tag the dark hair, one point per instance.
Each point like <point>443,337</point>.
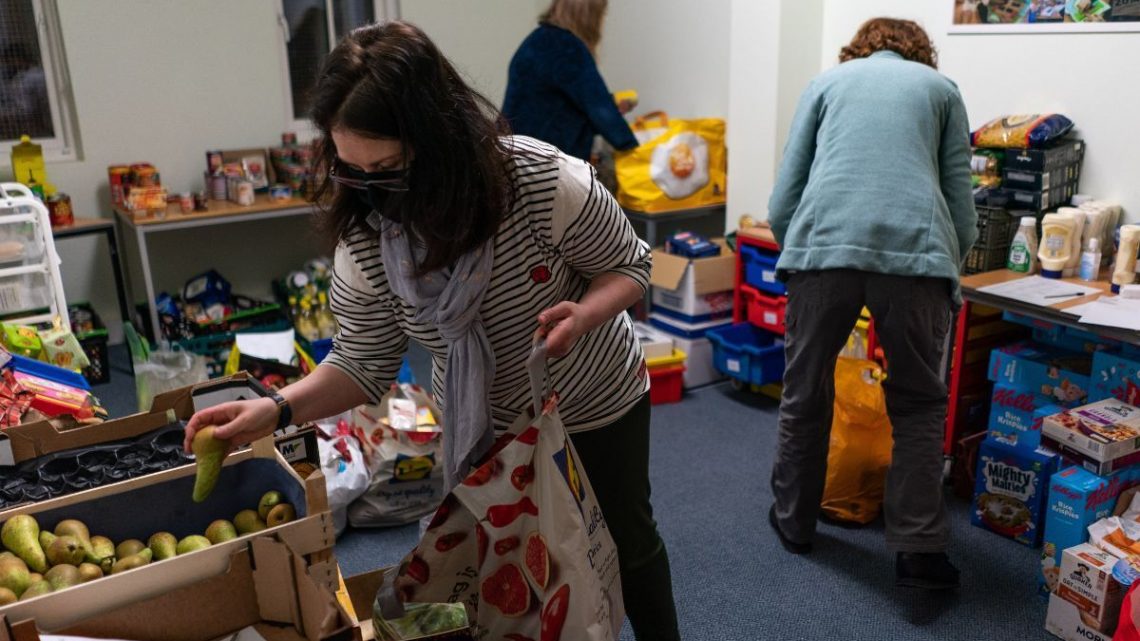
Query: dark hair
<point>390,81</point>
<point>904,37</point>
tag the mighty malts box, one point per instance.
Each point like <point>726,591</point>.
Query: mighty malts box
<point>1011,489</point>
<point>1058,374</point>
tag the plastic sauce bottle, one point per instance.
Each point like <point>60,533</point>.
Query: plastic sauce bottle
<point>1056,243</point>
<point>1124,272</point>
<point>1076,239</point>
<point>1023,250</point>
<point>1090,261</point>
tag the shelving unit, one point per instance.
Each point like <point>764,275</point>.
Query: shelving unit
<point>30,281</point>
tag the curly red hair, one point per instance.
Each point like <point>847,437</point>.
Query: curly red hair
<point>904,37</point>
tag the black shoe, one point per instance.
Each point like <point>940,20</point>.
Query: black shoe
<point>929,571</point>
<point>789,545</point>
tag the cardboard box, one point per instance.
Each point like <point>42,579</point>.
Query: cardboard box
<point>1040,180</point>
<point>1115,375</point>
<point>1016,416</point>
<point>1074,340</point>
<point>654,342</point>
<point>695,288</point>
<point>1087,582</point>
<point>1064,621</point>
<point>1011,490</point>
<point>1073,456</point>
<point>1048,371</point>
<point>1077,499</point>
<point>265,585</point>
<point>699,367</point>
<point>1104,431</point>
<point>161,502</point>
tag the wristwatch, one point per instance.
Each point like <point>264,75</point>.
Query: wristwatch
<point>284,411</point>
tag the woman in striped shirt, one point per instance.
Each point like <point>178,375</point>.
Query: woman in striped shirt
<point>467,240</point>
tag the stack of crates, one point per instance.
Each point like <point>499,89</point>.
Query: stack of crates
<point>1041,180</point>
<point>995,233</point>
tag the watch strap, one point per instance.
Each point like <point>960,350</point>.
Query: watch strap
<point>284,410</point>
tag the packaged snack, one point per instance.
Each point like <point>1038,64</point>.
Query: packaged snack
<point>1087,582</point>
<point>986,168</point>
<point>22,340</point>
<point>1010,493</point>
<point>62,349</point>
<point>1022,131</point>
<point>691,245</point>
<point>1105,430</point>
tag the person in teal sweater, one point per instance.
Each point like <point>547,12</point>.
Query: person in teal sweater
<point>873,207</point>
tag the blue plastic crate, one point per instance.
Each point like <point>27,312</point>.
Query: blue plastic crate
<point>747,353</point>
<point>760,269</point>
<point>49,372</point>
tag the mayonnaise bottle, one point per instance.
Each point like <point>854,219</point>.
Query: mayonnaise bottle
<point>1056,247</point>
<point>1076,240</point>
<point>1124,271</point>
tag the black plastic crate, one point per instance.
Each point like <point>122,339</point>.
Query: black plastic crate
<point>995,228</point>
<point>1042,180</point>
<point>981,259</point>
<point>94,344</point>
<point>1064,153</point>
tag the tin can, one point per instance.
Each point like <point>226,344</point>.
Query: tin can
<point>201,202</point>
<point>289,138</point>
<point>280,192</point>
<point>296,176</point>
<point>244,195</point>
<point>186,202</point>
<point>213,161</point>
<point>216,186</point>
<point>145,176</point>
<point>118,177</point>
<point>59,210</point>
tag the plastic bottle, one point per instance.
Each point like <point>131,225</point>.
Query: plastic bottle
<point>1124,271</point>
<point>307,322</point>
<point>1057,232</point>
<point>1023,249</point>
<point>1090,261</point>
<point>326,322</point>
<point>1076,240</point>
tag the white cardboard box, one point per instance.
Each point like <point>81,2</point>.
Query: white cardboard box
<point>1064,621</point>
<point>694,287</point>
<point>1087,582</point>
<point>1105,430</point>
<point>699,366</point>
<point>654,342</point>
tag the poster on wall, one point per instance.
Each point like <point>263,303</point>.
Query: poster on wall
<point>1044,16</point>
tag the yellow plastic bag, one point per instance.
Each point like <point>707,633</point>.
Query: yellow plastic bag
<point>680,164</point>
<point>860,443</point>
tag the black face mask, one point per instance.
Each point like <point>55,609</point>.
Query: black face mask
<point>380,190</point>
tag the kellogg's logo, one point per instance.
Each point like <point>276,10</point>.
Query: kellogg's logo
<point>1017,400</point>
<point>1107,493</point>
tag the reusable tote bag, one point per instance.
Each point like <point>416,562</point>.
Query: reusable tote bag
<point>522,542</point>
<point>679,164</point>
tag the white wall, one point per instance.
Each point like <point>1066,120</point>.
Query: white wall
<point>1084,76</point>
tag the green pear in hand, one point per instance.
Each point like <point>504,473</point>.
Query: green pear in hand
<point>209,453</point>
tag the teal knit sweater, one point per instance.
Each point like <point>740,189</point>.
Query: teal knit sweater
<point>876,173</point>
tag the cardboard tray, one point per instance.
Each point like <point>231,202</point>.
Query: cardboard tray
<point>264,583</point>
<point>139,507</point>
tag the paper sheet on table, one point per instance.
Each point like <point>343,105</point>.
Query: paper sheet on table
<point>1110,312</point>
<point>1039,291</point>
<point>273,346</point>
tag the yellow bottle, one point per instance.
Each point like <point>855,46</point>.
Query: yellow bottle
<point>1056,243</point>
<point>326,322</point>
<point>307,322</point>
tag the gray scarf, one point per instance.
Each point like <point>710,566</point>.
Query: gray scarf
<point>451,303</point>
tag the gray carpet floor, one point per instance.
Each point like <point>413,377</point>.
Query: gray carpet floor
<point>711,455</point>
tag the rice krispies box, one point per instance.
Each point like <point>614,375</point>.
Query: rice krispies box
<point>1011,490</point>
<point>1077,499</point>
<point>1058,374</point>
<point>1016,415</point>
<point>1115,375</point>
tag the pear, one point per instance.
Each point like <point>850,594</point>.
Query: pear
<point>90,572</point>
<point>46,539</point>
<point>280,514</point>
<point>39,588</point>
<point>21,535</point>
<point>209,453</point>
<point>7,597</point>
<point>14,575</point>
<point>7,555</point>
<point>268,500</point>
<point>247,522</point>
<point>128,548</point>
<point>35,577</point>
<point>72,527</point>
<point>132,561</point>
<point>102,547</point>
<point>62,577</point>
<point>221,531</point>
<point>192,543</point>
<point>163,545</point>
<point>65,550</point>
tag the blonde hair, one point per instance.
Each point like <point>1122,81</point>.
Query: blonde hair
<point>582,18</point>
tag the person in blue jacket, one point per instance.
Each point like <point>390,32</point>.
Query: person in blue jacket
<point>554,90</point>
<point>873,207</point>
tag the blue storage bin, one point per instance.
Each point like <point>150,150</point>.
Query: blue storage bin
<point>760,269</point>
<point>49,372</point>
<point>747,353</point>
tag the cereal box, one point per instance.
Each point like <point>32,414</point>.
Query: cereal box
<point>1066,622</point>
<point>1074,340</point>
<point>1058,374</point>
<point>1105,430</point>
<point>1016,415</point>
<point>1011,489</point>
<point>1087,582</point>
<point>1077,499</point>
<point>1115,375</point>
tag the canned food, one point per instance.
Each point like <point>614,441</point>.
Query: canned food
<point>289,138</point>
<point>118,176</point>
<point>216,185</point>
<point>186,202</point>
<point>200,201</point>
<point>244,195</point>
<point>296,176</point>
<point>213,161</point>
<point>280,192</point>
<point>82,321</point>
<point>145,176</point>
<point>59,210</point>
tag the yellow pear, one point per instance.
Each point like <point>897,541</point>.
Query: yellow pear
<point>221,531</point>
<point>90,572</point>
<point>128,548</point>
<point>280,514</point>
<point>65,550</point>
<point>39,588</point>
<point>163,545</point>
<point>7,597</point>
<point>209,453</point>
<point>192,543</point>
<point>247,522</point>
<point>62,577</point>
<point>21,535</point>
<point>268,500</point>
<point>14,575</point>
<point>133,561</point>
<point>102,547</point>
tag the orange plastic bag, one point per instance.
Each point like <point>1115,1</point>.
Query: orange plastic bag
<point>860,443</point>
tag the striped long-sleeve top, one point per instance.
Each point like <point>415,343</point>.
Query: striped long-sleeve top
<point>562,230</point>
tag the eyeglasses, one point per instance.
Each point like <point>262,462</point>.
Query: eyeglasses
<point>391,180</point>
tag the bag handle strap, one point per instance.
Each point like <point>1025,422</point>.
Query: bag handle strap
<point>644,121</point>
<point>539,372</point>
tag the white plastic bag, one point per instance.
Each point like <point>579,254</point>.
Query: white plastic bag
<point>342,462</point>
<point>165,370</point>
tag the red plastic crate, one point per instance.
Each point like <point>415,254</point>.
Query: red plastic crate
<point>666,384</point>
<point>764,311</point>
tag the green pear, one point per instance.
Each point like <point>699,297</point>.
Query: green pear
<point>133,561</point>
<point>63,576</point>
<point>102,547</point>
<point>209,453</point>
<point>129,547</point>
<point>7,555</point>
<point>65,550</point>
<point>39,588</point>
<point>7,597</point>
<point>35,577</point>
<point>267,502</point>
<point>280,514</point>
<point>248,522</point>
<point>221,531</point>
<point>46,539</point>
<point>14,575</point>
<point>192,543</point>
<point>72,527</point>
<point>163,545</point>
<point>21,535</point>
<point>90,572</point>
